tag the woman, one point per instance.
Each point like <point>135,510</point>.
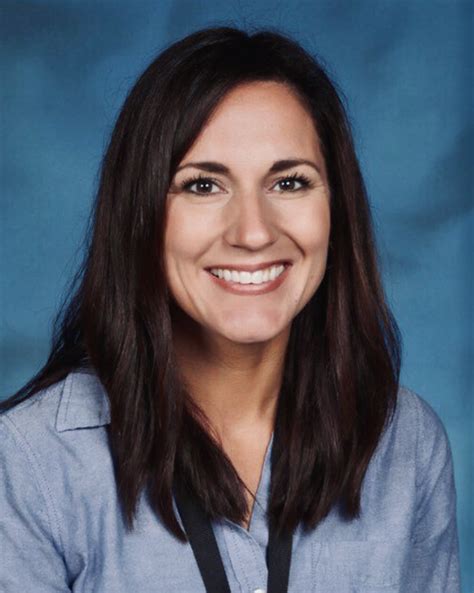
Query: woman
<point>227,369</point>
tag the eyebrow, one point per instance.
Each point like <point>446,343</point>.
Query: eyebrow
<point>277,167</point>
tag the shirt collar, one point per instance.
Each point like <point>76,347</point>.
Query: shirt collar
<point>83,403</point>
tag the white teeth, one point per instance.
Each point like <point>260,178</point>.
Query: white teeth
<point>258,277</point>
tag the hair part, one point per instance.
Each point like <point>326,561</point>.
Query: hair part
<point>342,364</point>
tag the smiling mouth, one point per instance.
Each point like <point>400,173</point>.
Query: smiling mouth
<point>255,283</point>
<point>262,276</point>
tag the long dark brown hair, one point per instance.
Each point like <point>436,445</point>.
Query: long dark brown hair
<point>342,363</point>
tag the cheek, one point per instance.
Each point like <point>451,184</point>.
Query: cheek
<point>186,235</point>
<point>311,232</point>
<point>310,229</point>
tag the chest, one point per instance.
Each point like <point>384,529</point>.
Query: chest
<point>336,557</point>
<point>151,560</point>
<point>248,460</point>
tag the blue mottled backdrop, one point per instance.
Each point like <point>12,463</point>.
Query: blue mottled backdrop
<point>406,71</point>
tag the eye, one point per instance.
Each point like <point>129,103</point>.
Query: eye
<point>287,184</point>
<point>203,184</point>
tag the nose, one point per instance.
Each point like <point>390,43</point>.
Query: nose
<point>250,224</point>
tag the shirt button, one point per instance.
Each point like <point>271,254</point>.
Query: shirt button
<point>259,591</point>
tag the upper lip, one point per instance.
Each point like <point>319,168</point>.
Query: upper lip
<point>250,267</point>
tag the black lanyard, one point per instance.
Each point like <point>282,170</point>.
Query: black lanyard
<point>204,545</point>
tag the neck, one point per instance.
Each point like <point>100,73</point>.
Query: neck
<point>236,385</point>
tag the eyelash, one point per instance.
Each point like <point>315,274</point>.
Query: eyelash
<point>305,183</point>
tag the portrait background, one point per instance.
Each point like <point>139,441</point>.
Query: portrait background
<point>405,69</point>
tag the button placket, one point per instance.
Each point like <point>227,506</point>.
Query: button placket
<point>246,549</point>
<point>247,558</point>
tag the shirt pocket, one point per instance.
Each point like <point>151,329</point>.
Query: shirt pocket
<point>362,566</point>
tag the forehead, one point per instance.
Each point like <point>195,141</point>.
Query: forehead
<point>266,117</point>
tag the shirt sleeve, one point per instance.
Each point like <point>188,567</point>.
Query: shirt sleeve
<point>31,558</point>
<point>434,561</point>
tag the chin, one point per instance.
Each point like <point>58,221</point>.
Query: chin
<point>246,334</point>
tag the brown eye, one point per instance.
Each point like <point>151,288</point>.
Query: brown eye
<point>203,185</point>
<point>290,183</point>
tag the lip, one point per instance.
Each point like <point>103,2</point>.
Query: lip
<point>252,289</point>
<point>252,267</point>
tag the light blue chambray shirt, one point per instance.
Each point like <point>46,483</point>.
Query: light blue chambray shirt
<point>61,528</point>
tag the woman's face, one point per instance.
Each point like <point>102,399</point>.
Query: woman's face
<point>253,206</point>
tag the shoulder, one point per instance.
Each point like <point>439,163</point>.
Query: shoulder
<point>56,468</point>
<point>78,401</point>
<point>416,434</point>
<point>56,433</point>
<point>415,412</point>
